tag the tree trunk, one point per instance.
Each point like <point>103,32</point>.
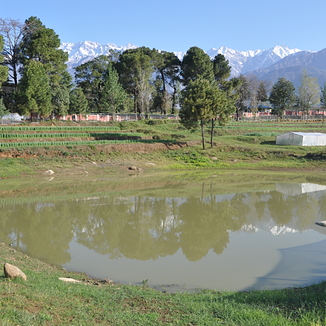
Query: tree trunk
<point>202,133</point>
<point>174,100</point>
<point>212,131</point>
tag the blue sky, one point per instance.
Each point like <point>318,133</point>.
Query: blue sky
<point>176,25</point>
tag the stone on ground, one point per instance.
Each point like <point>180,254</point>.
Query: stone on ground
<point>12,271</point>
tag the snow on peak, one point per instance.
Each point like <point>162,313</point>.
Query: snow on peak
<point>283,50</point>
<point>240,61</point>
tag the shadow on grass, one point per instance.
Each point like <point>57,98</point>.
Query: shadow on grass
<point>289,300</point>
<point>269,142</point>
<point>315,156</point>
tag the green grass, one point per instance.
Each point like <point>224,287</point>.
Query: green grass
<point>78,143</point>
<point>56,128</point>
<point>248,145</point>
<point>12,167</point>
<point>112,135</point>
<point>45,300</point>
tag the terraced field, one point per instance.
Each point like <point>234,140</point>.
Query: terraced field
<point>41,136</point>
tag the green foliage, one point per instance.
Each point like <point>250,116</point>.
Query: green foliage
<point>323,95</point>
<point>243,94</point>
<point>168,68</point>
<point>190,157</point>
<point>34,90</point>
<point>309,93</point>
<point>222,69</point>
<point>111,135</point>
<point>60,92</point>
<point>90,78</point>
<point>82,143</point>
<point>3,69</point>
<point>78,103</point>
<point>135,68</point>
<point>156,122</point>
<point>196,64</point>
<point>204,101</point>
<point>3,110</point>
<point>114,97</point>
<point>56,128</point>
<point>40,46</point>
<point>282,96</point>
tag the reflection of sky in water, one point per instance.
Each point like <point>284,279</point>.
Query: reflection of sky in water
<point>241,266</point>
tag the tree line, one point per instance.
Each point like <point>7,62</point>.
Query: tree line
<point>35,82</point>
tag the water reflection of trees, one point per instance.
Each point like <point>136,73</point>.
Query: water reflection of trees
<point>144,227</point>
<point>42,230</point>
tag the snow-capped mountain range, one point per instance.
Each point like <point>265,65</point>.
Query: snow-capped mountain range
<point>82,52</point>
<point>240,61</point>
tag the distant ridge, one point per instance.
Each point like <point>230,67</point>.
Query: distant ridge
<point>271,64</point>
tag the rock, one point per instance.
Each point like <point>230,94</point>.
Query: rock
<point>70,280</point>
<point>321,223</point>
<point>107,280</point>
<point>12,271</point>
<point>214,158</point>
<point>134,168</point>
<point>48,172</point>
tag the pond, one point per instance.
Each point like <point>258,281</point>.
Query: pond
<point>236,231</point>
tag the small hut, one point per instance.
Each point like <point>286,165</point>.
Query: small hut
<point>302,139</point>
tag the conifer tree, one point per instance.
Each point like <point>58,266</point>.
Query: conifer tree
<point>41,44</point>
<point>261,93</point>
<point>282,96</point>
<point>168,67</point>
<point>222,69</point>
<point>196,64</point>
<point>34,90</point>
<point>78,103</point>
<point>136,68</point>
<point>114,96</point>
<point>90,76</point>
<point>203,101</point>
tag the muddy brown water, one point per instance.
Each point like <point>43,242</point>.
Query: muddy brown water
<point>174,232</point>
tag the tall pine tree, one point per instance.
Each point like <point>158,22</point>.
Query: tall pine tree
<point>34,91</point>
<point>114,97</point>
<point>41,44</point>
<point>196,64</point>
<point>78,103</point>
